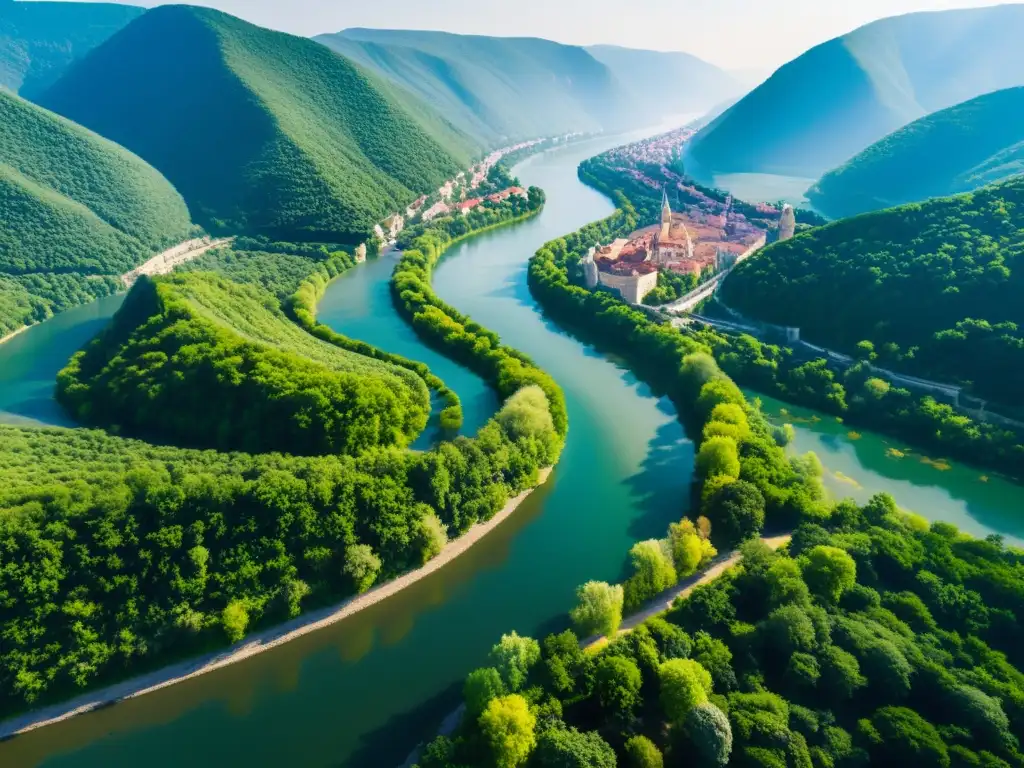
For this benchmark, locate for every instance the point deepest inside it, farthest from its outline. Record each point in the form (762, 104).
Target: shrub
(599, 609)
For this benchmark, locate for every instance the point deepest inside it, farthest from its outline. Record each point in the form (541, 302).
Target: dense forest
(296, 142)
(298, 274)
(954, 150)
(200, 361)
(78, 212)
(507, 370)
(872, 638)
(933, 287)
(120, 555)
(863, 399)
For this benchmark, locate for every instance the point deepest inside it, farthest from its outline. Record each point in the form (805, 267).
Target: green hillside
(40, 40)
(953, 150)
(496, 89)
(828, 104)
(198, 360)
(261, 132)
(77, 210)
(934, 287)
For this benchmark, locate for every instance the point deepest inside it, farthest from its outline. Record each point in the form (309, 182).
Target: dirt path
(259, 641)
(664, 601)
(165, 262)
(659, 604)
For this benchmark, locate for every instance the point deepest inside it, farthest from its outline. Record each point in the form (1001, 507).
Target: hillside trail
(666, 599)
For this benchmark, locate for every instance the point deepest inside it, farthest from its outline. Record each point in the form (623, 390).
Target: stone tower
(787, 222)
(666, 212)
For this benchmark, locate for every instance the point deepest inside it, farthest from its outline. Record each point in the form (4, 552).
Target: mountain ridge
(78, 211)
(823, 107)
(297, 142)
(40, 40)
(954, 150)
(507, 88)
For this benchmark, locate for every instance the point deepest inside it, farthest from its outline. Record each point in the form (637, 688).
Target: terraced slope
(77, 211)
(953, 150)
(833, 101)
(262, 132)
(40, 40)
(201, 361)
(496, 89)
(935, 288)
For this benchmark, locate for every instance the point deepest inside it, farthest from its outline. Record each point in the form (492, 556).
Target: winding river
(364, 691)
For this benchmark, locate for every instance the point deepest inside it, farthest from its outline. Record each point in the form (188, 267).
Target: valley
(401, 397)
(624, 469)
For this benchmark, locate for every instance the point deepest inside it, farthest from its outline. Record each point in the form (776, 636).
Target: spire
(666, 211)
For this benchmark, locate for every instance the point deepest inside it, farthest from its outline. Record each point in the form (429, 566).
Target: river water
(364, 691)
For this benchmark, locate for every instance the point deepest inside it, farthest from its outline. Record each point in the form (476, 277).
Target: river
(364, 691)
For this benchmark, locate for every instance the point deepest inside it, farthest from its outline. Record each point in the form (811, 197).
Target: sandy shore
(259, 641)
(12, 334)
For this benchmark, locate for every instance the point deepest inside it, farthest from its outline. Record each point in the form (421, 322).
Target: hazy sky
(736, 34)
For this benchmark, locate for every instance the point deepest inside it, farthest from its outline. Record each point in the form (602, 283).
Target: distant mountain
(76, 209)
(498, 89)
(668, 83)
(38, 41)
(953, 150)
(260, 131)
(825, 106)
(934, 286)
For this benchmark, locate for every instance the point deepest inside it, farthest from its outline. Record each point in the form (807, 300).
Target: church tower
(666, 212)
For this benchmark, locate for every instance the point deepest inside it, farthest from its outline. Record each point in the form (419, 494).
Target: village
(705, 238)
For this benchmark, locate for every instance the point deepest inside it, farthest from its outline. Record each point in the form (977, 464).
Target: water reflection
(979, 502)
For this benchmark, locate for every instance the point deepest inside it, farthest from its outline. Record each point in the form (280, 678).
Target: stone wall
(632, 288)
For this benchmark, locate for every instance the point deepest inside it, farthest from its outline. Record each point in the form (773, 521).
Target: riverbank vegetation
(78, 212)
(862, 399)
(455, 334)
(120, 556)
(874, 638)
(933, 287)
(298, 275)
(201, 361)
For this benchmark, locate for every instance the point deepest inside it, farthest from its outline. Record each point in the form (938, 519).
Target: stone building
(672, 241)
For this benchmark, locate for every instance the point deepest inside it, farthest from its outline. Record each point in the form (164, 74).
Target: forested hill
(934, 287)
(498, 89)
(953, 150)
(825, 106)
(77, 211)
(39, 40)
(199, 360)
(260, 131)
